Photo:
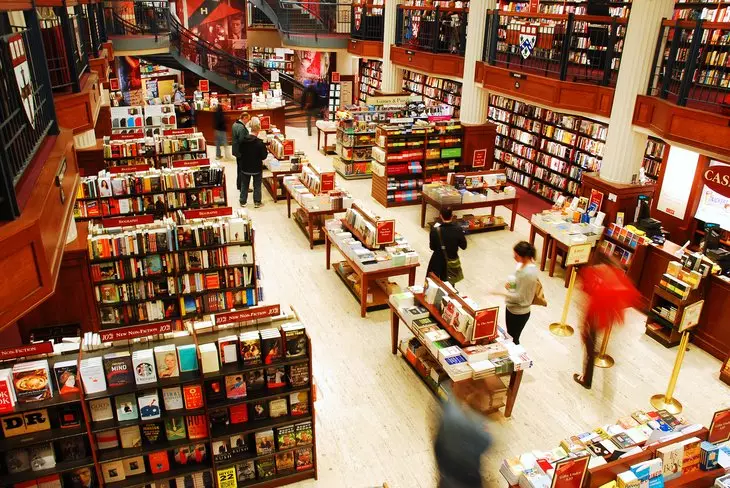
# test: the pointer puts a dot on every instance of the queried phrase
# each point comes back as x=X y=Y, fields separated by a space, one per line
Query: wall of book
x=653 y=157
x=128 y=407
x=371 y=76
x=544 y=151
x=123 y=191
x=441 y=96
x=708 y=10
x=145 y=271
x=280 y=59
x=578 y=7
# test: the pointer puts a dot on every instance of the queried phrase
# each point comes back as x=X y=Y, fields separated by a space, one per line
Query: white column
x=625 y=147
x=474 y=100
x=392 y=75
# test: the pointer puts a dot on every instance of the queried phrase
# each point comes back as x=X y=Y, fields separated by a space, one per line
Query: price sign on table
x=578 y=254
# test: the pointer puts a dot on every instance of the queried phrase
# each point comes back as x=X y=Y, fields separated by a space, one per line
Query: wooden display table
x=380 y=299
x=327 y=132
x=273 y=181
x=493 y=204
x=546 y=242
x=557 y=245
x=395 y=318
x=311 y=215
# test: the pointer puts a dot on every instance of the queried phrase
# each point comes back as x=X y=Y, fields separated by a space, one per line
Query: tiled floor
x=375 y=419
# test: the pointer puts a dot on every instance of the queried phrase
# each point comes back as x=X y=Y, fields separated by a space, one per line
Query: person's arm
x=524 y=291
x=433 y=240
x=263 y=152
x=462 y=239
x=235 y=139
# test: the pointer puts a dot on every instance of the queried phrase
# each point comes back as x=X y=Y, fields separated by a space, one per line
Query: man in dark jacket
x=221 y=132
x=310 y=103
x=448 y=235
x=251 y=154
x=238 y=132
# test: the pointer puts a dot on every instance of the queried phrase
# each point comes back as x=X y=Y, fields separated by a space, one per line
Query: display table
x=396 y=318
x=273 y=180
x=367 y=277
x=559 y=244
x=536 y=230
x=204 y=120
x=493 y=204
x=326 y=128
x=308 y=229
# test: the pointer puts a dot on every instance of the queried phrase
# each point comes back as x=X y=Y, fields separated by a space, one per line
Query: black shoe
x=578 y=379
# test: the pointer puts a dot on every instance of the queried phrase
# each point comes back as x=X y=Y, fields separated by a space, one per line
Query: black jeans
x=588 y=335
x=515 y=324
x=245 y=182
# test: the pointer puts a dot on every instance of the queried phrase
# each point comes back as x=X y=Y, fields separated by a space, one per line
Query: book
x=303 y=433
x=175 y=429
x=622 y=440
x=193 y=396
x=159 y=462
x=149 y=405
x=235 y=386
x=32 y=381
x=221 y=450
x=298 y=375
x=271 y=350
x=17 y=460
x=133 y=466
x=265 y=468
x=691 y=458
x=113 y=471
x=70 y=415
x=151 y=433
x=238 y=444
x=66 y=373
x=172 y=398
x=7 y=393
x=197 y=426
x=250 y=347
x=209 y=357
x=285 y=438
x=126 y=406
x=299 y=403
x=118 y=369
x=278 y=408
x=187 y=357
x=304 y=458
x=219 y=421
x=238 y=414
x=228 y=347
x=92 y=375
x=255 y=380
x=672 y=457
x=130 y=437
x=259 y=410
x=72 y=449
x=275 y=377
x=42 y=456
x=101 y=409
x=295 y=340
x=264 y=442
x=143 y=362
x=107 y=439
x=83 y=477
x=166 y=361
x=285 y=462
x=245 y=471
x=215 y=391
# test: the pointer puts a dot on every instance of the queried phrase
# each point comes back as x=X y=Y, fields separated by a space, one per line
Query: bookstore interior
x=156 y=331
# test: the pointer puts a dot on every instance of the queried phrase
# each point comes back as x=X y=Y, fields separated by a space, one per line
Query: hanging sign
x=27 y=350
x=128 y=333
x=485 y=324
x=528 y=40
x=208 y=212
x=480 y=158
x=127 y=221
x=248 y=314
x=570 y=473
x=720 y=426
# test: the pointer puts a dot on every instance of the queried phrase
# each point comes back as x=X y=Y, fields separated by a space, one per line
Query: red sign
x=485 y=324
x=204 y=85
x=570 y=473
x=125 y=137
x=720 y=426
x=717 y=178
x=385 y=231
x=28 y=350
x=178 y=132
x=596 y=198
x=248 y=314
x=265 y=122
x=132 y=168
x=534 y=6
x=127 y=221
x=439 y=118
x=208 y=212
x=327 y=181
x=127 y=333
x=335 y=77
x=113 y=84
x=480 y=158
x=188 y=163
x=265 y=86
x=288 y=145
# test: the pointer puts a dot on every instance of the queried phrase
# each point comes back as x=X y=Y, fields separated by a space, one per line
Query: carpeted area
x=530 y=203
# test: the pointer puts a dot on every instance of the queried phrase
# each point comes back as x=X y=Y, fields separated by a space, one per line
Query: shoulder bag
x=454 y=273
x=539 y=298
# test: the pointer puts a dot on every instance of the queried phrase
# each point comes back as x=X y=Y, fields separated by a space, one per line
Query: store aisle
x=376 y=418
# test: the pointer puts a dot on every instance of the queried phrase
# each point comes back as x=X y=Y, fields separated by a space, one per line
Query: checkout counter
x=205 y=117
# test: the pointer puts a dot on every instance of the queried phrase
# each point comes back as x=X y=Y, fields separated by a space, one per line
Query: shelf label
x=127 y=333
x=578 y=254
x=27 y=350
x=720 y=426
x=480 y=158
x=227 y=477
x=126 y=221
x=178 y=132
x=189 y=163
x=126 y=137
x=132 y=168
x=327 y=182
x=208 y=212
x=570 y=473
x=248 y=314
x=485 y=323
x=385 y=232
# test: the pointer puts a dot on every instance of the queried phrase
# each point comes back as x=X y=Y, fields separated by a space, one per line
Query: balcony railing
x=320 y=17
x=75 y=34
x=127 y=18
x=367 y=21
x=692 y=65
x=577 y=48
x=431 y=29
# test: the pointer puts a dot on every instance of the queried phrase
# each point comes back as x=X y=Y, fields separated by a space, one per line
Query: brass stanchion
x=562 y=329
x=666 y=401
x=604 y=360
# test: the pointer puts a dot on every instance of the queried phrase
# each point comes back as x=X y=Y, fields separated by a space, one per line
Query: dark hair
x=525 y=250
x=446 y=213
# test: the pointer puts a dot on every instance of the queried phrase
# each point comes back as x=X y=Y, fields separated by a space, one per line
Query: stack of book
x=370 y=257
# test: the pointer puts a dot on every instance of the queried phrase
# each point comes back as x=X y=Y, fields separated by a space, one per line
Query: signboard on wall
x=714 y=204
x=678 y=177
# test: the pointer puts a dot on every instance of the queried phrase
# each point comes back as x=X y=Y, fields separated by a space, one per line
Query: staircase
x=295 y=115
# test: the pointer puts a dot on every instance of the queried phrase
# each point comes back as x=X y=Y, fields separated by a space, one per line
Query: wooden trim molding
x=702 y=130
x=479 y=72
x=10 y=5
x=100 y=66
x=579 y=97
x=435 y=64
x=365 y=49
x=79 y=111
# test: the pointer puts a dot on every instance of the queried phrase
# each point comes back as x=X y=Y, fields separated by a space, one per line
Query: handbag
x=539 y=298
x=454 y=273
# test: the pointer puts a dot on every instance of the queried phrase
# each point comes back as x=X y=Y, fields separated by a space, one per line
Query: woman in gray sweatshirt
x=521 y=289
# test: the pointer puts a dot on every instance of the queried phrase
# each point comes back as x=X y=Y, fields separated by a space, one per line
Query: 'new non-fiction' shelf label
x=127 y=333
x=248 y=314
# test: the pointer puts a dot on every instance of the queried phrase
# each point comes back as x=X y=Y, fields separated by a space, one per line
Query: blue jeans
x=221 y=140
x=245 y=182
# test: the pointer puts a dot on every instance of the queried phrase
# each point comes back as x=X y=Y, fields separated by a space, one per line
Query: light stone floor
x=376 y=419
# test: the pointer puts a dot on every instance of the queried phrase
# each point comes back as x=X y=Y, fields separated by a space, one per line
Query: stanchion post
x=604 y=360
x=562 y=329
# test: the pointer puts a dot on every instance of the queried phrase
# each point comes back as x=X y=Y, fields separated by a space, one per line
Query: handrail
x=432 y=9
x=691 y=24
x=578 y=18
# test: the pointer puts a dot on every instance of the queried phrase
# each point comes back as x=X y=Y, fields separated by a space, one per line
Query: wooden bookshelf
x=619 y=253
x=370 y=78
x=435 y=91
x=578 y=7
x=664 y=330
x=656 y=152
x=354 y=149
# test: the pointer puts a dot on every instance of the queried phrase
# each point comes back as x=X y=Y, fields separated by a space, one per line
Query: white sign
x=679 y=174
x=578 y=254
x=274 y=76
x=691 y=315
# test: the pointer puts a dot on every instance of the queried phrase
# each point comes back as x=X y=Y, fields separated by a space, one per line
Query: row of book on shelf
x=160 y=150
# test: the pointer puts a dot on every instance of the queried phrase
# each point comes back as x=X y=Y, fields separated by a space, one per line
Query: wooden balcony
x=431 y=63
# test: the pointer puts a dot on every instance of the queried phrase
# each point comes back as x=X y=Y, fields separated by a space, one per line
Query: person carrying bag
x=445 y=240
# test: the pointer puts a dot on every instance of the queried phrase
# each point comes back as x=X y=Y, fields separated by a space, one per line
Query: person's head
x=236 y=25
x=524 y=252
x=244 y=117
x=446 y=214
x=255 y=125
